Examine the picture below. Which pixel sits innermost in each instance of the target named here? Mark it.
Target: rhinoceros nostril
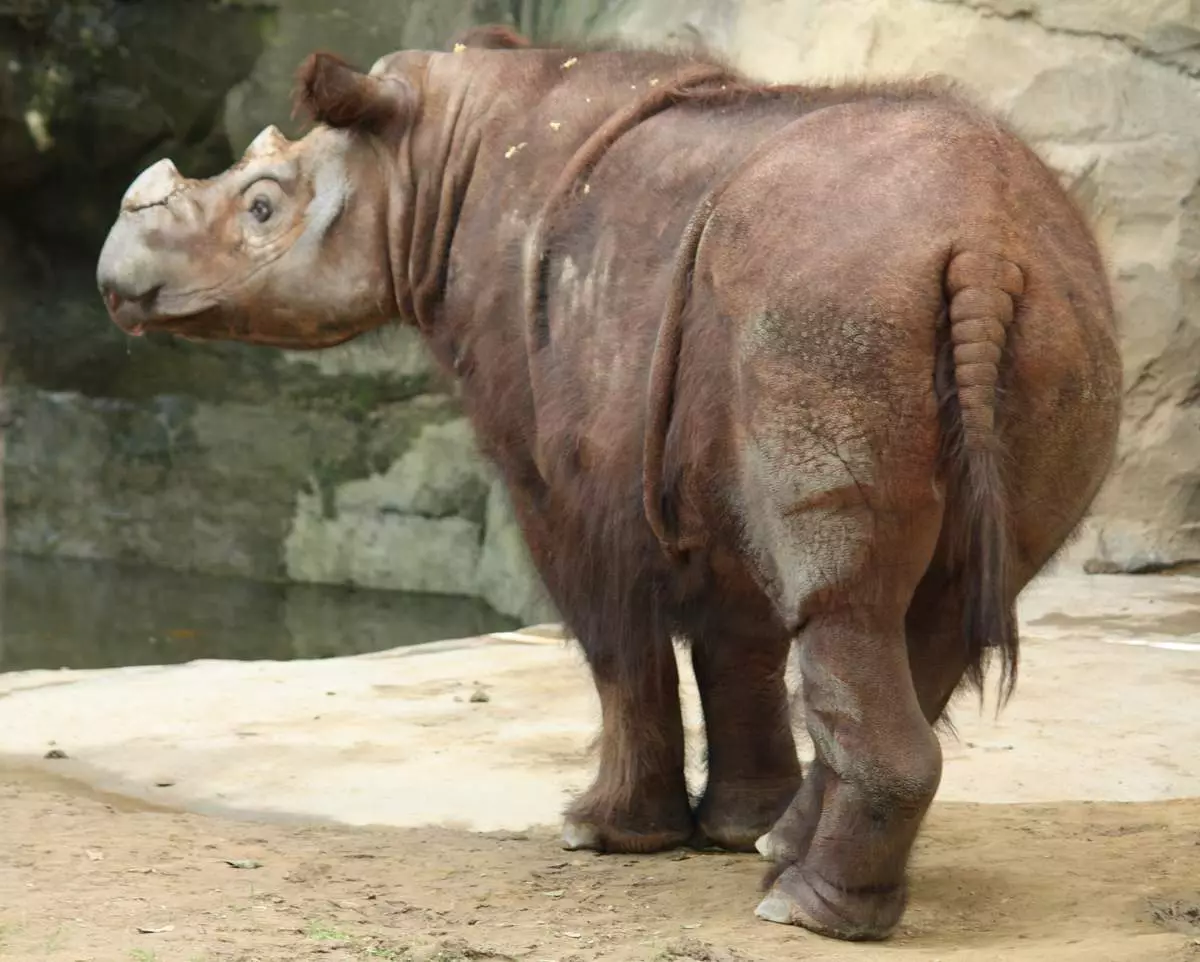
(146, 301)
(115, 297)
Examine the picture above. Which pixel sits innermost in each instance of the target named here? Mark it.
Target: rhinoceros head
(288, 247)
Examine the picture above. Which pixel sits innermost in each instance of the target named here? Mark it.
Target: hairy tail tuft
(981, 290)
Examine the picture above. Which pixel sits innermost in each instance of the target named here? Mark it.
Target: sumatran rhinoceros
(760, 365)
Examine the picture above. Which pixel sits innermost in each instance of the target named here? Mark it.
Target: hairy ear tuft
(332, 92)
(494, 36)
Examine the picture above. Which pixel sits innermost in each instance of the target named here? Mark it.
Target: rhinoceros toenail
(775, 908)
(577, 836)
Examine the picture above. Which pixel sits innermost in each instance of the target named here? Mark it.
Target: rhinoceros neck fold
(437, 165)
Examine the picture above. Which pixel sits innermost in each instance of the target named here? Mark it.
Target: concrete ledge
(493, 732)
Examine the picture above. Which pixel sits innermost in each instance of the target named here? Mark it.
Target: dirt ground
(377, 807)
(90, 877)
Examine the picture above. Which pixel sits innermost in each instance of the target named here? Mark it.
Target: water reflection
(79, 614)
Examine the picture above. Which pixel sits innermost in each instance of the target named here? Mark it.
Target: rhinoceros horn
(270, 141)
(153, 186)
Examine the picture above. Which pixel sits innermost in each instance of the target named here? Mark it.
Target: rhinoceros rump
(761, 365)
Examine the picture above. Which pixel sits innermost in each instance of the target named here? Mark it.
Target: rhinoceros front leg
(753, 770)
(639, 800)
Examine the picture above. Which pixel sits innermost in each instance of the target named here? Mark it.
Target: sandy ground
(82, 879)
(403, 805)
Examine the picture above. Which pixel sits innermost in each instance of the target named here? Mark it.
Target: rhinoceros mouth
(132, 318)
(184, 326)
(157, 310)
(211, 324)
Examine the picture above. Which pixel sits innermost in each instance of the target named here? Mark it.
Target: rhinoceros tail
(981, 292)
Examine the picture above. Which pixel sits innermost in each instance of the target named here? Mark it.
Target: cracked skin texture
(759, 365)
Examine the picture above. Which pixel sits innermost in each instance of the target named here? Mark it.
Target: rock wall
(349, 467)
(354, 465)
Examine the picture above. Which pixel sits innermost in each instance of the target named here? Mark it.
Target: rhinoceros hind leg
(846, 840)
(937, 647)
(753, 770)
(639, 800)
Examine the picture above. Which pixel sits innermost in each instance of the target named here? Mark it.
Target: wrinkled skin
(760, 366)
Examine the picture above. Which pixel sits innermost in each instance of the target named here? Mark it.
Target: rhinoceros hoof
(766, 847)
(728, 837)
(775, 847)
(581, 835)
(577, 835)
(736, 816)
(799, 898)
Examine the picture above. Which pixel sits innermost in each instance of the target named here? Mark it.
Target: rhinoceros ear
(494, 36)
(335, 94)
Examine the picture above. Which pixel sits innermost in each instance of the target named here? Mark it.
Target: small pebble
(56, 753)
(479, 695)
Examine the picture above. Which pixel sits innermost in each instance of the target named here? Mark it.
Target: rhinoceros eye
(260, 209)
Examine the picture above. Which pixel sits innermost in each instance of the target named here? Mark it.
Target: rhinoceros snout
(128, 275)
